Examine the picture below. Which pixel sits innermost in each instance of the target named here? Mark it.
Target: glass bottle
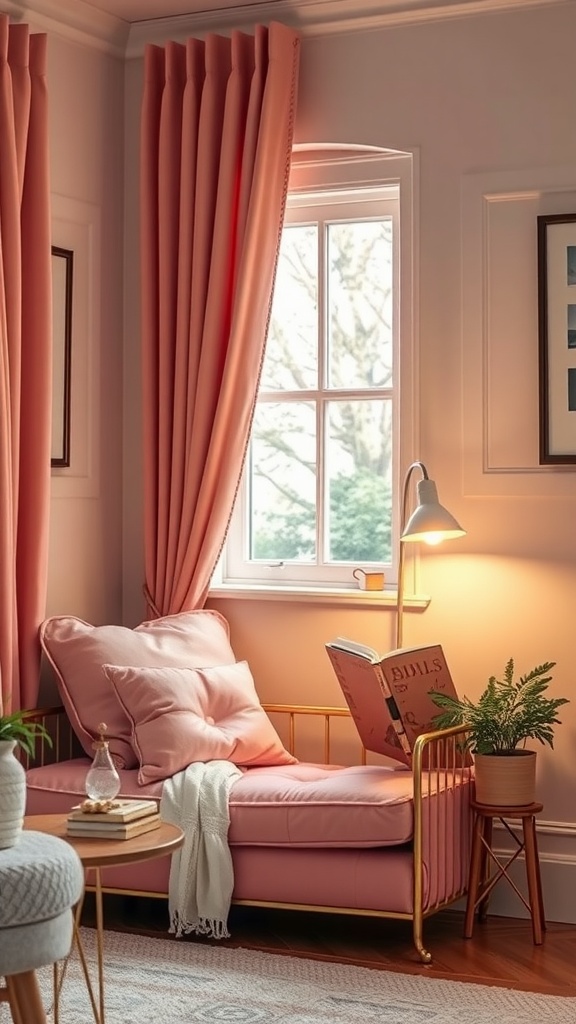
(102, 779)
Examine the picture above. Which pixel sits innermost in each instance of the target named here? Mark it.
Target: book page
(343, 644)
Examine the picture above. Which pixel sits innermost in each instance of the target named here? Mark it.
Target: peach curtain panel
(25, 358)
(217, 126)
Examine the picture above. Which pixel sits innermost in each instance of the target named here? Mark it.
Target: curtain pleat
(217, 126)
(25, 358)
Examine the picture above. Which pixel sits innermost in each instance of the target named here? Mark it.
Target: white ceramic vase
(12, 795)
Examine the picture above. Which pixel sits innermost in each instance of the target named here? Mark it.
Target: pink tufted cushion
(291, 805)
(181, 715)
(77, 652)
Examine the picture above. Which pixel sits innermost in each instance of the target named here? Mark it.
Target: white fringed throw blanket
(201, 873)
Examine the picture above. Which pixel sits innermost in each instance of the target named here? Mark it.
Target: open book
(388, 695)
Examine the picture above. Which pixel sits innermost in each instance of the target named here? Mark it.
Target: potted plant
(16, 728)
(506, 714)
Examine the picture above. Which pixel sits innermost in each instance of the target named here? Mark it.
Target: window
(318, 493)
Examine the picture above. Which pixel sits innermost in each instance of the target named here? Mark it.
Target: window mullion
(321, 405)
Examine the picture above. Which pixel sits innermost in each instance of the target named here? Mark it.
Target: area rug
(181, 982)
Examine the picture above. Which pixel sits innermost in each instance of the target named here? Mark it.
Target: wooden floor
(501, 951)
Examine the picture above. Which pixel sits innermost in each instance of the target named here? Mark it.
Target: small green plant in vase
(16, 729)
(506, 714)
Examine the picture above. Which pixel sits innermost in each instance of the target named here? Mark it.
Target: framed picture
(557, 337)
(62, 281)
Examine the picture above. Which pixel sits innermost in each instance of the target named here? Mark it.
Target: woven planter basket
(506, 780)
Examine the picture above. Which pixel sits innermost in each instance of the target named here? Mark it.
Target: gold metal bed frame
(439, 764)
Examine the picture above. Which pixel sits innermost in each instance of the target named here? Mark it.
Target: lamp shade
(430, 521)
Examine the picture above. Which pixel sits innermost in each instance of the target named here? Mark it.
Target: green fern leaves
(507, 713)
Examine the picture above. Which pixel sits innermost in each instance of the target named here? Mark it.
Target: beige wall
(86, 143)
(487, 105)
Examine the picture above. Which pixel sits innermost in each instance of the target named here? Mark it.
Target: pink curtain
(217, 124)
(25, 359)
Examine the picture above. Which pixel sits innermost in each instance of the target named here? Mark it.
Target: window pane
(291, 361)
(283, 482)
(360, 304)
(314, 499)
(359, 481)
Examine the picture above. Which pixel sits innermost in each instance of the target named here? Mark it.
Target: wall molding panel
(500, 330)
(76, 226)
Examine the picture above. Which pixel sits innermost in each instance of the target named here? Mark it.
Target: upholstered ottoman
(41, 879)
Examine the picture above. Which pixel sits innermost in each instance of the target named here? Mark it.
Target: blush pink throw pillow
(77, 652)
(182, 715)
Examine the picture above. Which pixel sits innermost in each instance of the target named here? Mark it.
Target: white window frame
(321, 178)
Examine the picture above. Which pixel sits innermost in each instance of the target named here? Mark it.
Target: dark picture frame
(557, 338)
(62, 293)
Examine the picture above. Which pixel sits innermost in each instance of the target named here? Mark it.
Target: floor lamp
(429, 522)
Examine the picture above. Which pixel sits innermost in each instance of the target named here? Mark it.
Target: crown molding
(321, 17)
(75, 20)
(85, 24)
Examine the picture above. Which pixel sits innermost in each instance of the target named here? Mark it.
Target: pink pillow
(77, 652)
(181, 715)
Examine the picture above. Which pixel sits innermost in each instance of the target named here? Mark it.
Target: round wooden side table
(483, 876)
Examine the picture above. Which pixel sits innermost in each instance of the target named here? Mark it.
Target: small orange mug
(369, 580)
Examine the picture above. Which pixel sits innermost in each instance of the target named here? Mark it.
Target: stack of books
(122, 819)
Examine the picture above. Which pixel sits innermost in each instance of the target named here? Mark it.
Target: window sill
(316, 595)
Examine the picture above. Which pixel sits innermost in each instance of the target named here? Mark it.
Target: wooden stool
(481, 881)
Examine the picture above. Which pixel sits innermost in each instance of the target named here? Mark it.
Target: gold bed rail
(443, 790)
(65, 745)
(327, 713)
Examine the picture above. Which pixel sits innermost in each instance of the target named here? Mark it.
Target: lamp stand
(429, 522)
(401, 553)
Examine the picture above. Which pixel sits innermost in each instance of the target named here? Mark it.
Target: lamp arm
(400, 602)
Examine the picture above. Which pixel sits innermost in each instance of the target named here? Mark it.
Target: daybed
(367, 839)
